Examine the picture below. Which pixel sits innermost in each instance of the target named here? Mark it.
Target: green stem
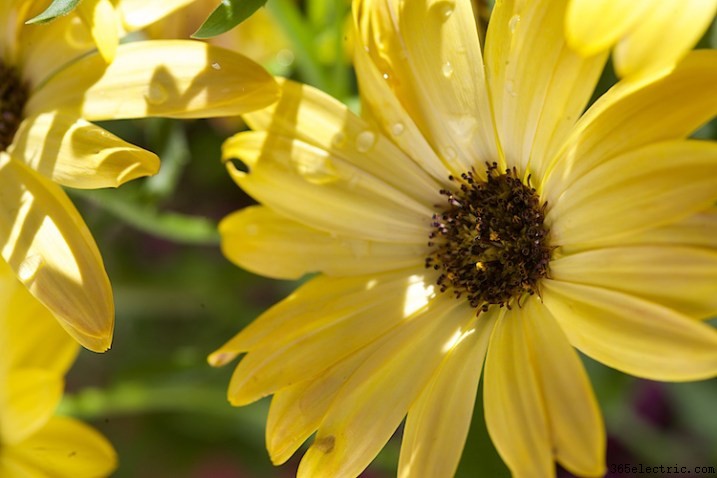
(290, 21)
(168, 225)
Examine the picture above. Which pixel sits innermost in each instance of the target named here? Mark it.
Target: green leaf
(227, 15)
(56, 9)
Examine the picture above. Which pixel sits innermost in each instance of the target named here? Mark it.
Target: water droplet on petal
(444, 10)
(157, 93)
(216, 66)
(447, 69)
(365, 141)
(464, 127)
(513, 23)
(397, 129)
(510, 88)
(339, 140)
(315, 169)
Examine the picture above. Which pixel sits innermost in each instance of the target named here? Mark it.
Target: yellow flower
(36, 354)
(472, 216)
(52, 86)
(648, 36)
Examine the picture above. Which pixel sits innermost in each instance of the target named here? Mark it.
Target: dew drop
(365, 141)
(216, 66)
(315, 169)
(157, 94)
(444, 10)
(513, 23)
(510, 88)
(397, 129)
(447, 69)
(339, 140)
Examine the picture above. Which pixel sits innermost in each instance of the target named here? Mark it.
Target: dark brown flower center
(13, 96)
(491, 243)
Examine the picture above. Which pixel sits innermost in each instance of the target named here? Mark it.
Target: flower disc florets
(13, 96)
(491, 243)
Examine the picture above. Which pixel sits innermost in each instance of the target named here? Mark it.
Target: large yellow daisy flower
(649, 36)
(51, 86)
(36, 354)
(472, 218)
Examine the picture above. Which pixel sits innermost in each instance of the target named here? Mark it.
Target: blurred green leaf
(56, 9)
(226, 16)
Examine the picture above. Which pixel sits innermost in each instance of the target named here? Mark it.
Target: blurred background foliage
(153, 394)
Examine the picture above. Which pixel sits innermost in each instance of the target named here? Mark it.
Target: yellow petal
(27, 400)
(67, 448)
(313, 117)
(635, 113)
(306, 308)
(429, 53)
(101, 19)
(267, 243)
(78, 154)
(652, 186)
(592, 26)
(662, 36)
(373, 401)
(538, 85)
(633, 335)
(438, 421)
(574, 419)
(514, 409)
(45, 48)
(681, 278)
(380, 102)
(318, 189)
(29, 335)
(297, 411)
(327, 339)
(49, 247)
(172, 78)
(138, 14)
(697, 230)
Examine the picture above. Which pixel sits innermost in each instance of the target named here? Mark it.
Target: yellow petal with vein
(648, 187)
(29, 334)
(373, 401)
(664, 34)
(67, 448)
(28, 399)
(592, 26)
(514, 410)
(538, 86)
(138, 14)
(574, 419)
(327, 339)
(316, 188)
(633, 335)
(308, 307)
(264, 242)
(678, 277)
(636, 113)
(171, 78)
(438, 421)
(297, 411)
(101, 19)
(78, 154)
(49, 247)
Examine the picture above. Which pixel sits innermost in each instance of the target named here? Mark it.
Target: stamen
(491, 243)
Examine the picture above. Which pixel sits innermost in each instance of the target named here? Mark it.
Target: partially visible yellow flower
(52, 86)
(35, 354)
(476, 220)
(648, 36)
